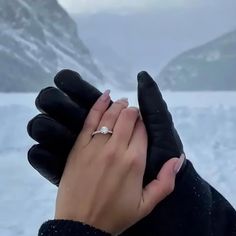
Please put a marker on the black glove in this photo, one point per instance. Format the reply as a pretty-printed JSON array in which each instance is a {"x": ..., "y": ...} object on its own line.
[
  {"x": 182, "y": 212},
  {"x": 63, "y": 113},
  {"x": 163, "y": 139}
]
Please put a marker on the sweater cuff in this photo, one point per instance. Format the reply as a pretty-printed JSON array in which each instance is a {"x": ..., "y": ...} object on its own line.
[{"x": 69, "y": 228}]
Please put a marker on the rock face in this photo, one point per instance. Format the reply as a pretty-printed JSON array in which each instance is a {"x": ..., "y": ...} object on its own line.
[
  {"x": 38, "y": 38},
  {"x": 208, "y": 67}
]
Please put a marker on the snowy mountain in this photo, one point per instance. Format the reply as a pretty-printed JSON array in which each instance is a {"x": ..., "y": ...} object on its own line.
[
  {"x": 116, "y": 70},
  {"x": 211, "y": 66},
  {"x": 38, "y": 38}
]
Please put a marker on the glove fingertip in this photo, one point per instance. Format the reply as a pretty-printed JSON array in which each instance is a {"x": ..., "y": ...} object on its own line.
[
  {"x": 46, "y": 163},
  {"x": 29, "y": 127},
  {"x": 149, "y": 95},
  {"x": 36, "y": 123},
  {"x": 63, "y": 74},
  {"x": 78, "y": 89},
  {"x": 31, "y": 156},
  {"x": 42, "y": 98},
  {"x": 144, "y": 78},
  {"x": 145, "y": 81},
  {"x": 142, "y": 74}
]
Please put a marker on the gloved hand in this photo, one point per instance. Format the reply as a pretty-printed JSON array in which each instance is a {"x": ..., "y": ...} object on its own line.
[
  {"x": 63, "y": 112},
  {"x": 194, "y": 208}
]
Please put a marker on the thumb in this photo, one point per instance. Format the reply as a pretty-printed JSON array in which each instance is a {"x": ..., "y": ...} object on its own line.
[
  {"x": 162, "y": 186},
  {"x": 163, "y": 139},
  {"x": 150, "y": 99}
]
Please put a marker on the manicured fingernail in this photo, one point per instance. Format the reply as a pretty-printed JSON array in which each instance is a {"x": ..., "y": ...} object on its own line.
[
  {"x": 140, "y": 115},
  {"x": 106, "y": 95},
  {"x": 135, "y": 108},
  {"x": 179, "y": 164},
  {"x": 123, "y": 100}
]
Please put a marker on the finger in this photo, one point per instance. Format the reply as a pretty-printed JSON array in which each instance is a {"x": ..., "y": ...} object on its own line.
[
  {"x": 71, "y": 83},
  {"x": 49, "y": 132},
  {"x": 155, "y": 112},
  {"x": 163, "y": 139},
  {"x": 150, "y": 98},
  {"x": 47, "y": 163},
  {"x": 109, "y": 119},
  {"x": 92, "y": 121},
  {"x": 124, "y": 126},
  {"x": 161, "y": 187},
  {"x": 138, "y": 143},
  {"x": 61, "y": 108}
]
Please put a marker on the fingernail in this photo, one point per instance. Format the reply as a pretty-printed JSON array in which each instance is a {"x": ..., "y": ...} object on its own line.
[
  {"x": 134, "y": 108},
  {"x": 140, "y": 115},
  {"x": 106, "y": 95},
  {"x": 179, "y": 164},
  {"x": 123, "y": 100}
]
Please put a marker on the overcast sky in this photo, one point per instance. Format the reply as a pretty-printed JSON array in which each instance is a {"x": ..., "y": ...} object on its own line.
[{"x": 92, "y": 6}]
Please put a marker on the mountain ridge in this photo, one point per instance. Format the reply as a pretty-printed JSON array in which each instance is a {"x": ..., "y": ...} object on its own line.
[
  {"x": 211, "y": 66},
  {"x": 37, "y": 39}
]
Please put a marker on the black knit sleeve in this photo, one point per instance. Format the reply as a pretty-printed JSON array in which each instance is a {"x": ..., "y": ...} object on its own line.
[{"x": 69, "y": 228}]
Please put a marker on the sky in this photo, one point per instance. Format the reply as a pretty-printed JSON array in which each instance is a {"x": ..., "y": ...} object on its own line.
[{"x": 94, "y": 6}]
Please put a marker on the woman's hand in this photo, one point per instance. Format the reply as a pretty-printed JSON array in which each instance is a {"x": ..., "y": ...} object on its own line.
[{"x": 102, "y": 181}]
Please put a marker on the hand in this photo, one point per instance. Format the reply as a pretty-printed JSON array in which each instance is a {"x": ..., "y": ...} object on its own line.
[
  {"x": 102, "y": 181},
  {"x": 64, "y": 111}
]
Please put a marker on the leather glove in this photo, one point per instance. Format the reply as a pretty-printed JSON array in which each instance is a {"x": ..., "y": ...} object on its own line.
[{"x": 194, "y": 202}]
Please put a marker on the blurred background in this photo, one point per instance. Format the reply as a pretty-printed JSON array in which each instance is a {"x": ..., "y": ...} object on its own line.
[{"x": 188, "y": 46}]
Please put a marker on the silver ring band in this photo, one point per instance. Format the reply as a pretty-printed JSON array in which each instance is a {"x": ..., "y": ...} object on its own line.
[{"x": 103, "y": 130}]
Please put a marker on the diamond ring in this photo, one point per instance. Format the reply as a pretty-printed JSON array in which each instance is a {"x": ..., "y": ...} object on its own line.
[{"x": 103, "y": 130}]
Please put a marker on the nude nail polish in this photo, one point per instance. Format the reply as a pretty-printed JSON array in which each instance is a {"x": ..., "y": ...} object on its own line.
[
  {"x": 123, "y": 100},
  {"x": 179, "y": 164},
  {"x": 106, "y": 95}
]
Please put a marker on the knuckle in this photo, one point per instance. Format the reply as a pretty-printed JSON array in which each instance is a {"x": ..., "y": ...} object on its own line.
[
  {"x": 110, "y": 154},
  {"x": 148, "y": 209},
  {"x": 109, "y": 115},
  {"x": 168, "y": 188},
  {"x": 135, "y": 162}
]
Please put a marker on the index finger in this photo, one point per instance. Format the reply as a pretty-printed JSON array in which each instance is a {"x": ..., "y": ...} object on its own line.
[{"x": 79, "y": 90}]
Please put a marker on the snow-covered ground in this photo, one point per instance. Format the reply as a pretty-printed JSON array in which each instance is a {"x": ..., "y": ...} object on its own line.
[{"x": 206, "y": 122}]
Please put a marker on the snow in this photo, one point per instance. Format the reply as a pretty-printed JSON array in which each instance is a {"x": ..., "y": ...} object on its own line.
[
  {"x": 66, "y": 61},
  {"x": 205, "y": 120},
  {"x": 213, "y": 56}
]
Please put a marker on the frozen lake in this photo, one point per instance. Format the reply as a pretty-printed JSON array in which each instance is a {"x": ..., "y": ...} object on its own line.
[{"x": 206, "y": 122}]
